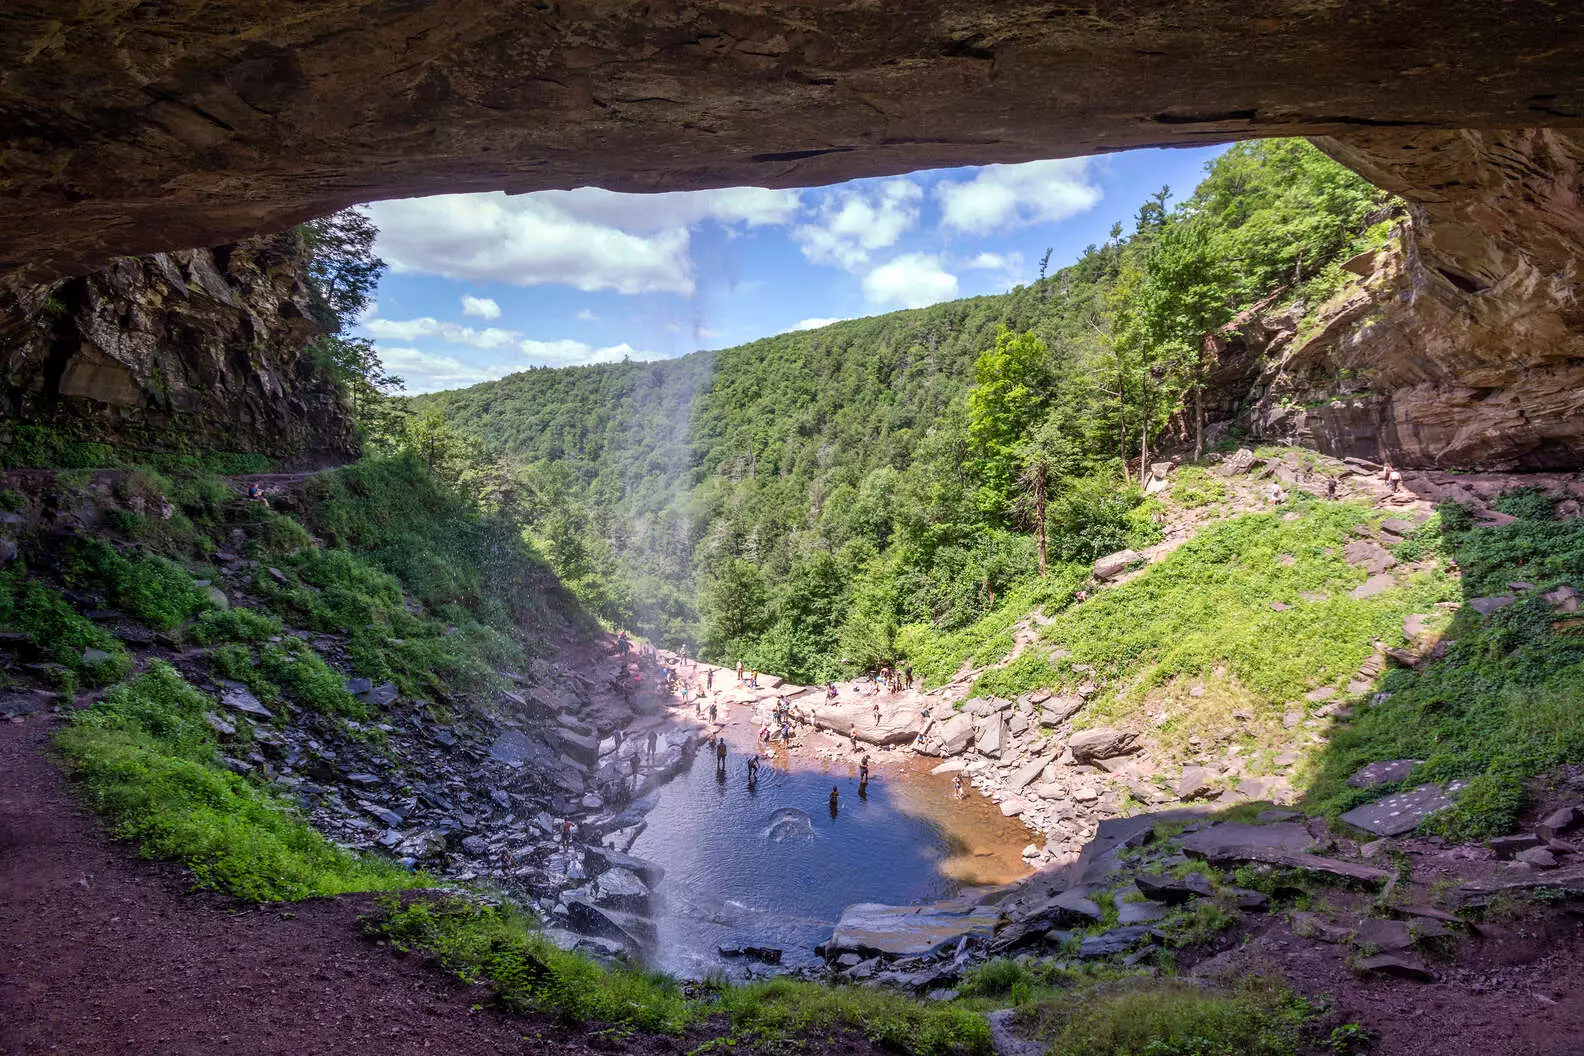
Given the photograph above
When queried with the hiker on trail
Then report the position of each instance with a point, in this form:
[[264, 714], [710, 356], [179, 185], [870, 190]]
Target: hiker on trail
[[739, 672], [835, 795], [958, 791], [621, 642], [1393, 477], [566, 833], [1331, 488], [907, 676], [654, 738]]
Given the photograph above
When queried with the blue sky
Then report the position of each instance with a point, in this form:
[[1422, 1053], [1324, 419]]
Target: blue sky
[[483, 285]]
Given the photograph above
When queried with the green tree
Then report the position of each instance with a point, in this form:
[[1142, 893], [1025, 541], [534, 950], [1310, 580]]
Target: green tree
[[733, 608], [1044, 459], [1012, 388]]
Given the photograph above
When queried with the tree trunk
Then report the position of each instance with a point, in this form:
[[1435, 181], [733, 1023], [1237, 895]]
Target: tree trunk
[[1198, 422], [1039, 519]]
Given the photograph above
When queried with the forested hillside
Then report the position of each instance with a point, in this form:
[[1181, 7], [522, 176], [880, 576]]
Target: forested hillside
[[801, 500]]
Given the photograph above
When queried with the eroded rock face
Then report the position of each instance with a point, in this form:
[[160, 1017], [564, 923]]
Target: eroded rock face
[[1464, 347], [196, 348], [133, 127]]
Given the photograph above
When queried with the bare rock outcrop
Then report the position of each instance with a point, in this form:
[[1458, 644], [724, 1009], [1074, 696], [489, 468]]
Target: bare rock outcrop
[[195, 349], [133, 127]]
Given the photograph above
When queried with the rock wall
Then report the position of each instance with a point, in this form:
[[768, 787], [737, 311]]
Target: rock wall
[[1463, 345], [130, 127], [200, 349]]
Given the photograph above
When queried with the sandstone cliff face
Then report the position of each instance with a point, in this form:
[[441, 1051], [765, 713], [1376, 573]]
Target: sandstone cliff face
[[1462, 345], [197, 349]]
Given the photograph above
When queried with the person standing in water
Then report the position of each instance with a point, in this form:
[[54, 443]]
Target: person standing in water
[[834, 796], [720, 754], [753, 770], [958, 791], [654, 738], [863, 774]]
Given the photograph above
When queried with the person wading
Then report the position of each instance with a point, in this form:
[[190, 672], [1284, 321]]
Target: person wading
[[720, 755], [834, 796], [863, 774], [654, 738]]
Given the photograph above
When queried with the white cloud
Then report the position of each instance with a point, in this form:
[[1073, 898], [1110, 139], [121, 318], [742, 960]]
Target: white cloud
[[912, 280], [526, 241], [426, 372], [589, 238], [752, 206], [409, 330], [996, 262], [483, 307], [852, 223], [815, 324], [587, 316], [1017, 195]]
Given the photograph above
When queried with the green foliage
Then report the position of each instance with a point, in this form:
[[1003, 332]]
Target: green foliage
[[144, 758], [151, 589], [499, 946], [57, 630], [1208, 605], [1507, 699], [314, 683], [896, 469], [234, 625], [1171, 1018]]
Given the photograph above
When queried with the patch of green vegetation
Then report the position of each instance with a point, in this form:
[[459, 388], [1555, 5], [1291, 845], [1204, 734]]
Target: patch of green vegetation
[[58, 631], [1196, 486], [1208, 606], [1505, 702], [144, 758], [936, 656], [151, 589], [234, 625], [1172, 1018], [37, 446], [313, 683], [41, 446], [499, 946], [1203, 920]]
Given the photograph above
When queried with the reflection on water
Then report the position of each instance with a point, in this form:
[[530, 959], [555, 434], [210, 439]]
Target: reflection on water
[[770, 864]]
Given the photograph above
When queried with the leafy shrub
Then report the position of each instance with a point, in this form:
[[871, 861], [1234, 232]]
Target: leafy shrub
[[314, 683], [234, 625], [144, 758], [152, 589], [57, 630]]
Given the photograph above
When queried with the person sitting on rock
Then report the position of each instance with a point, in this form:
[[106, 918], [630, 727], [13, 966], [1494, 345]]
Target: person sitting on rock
[[256, 494]]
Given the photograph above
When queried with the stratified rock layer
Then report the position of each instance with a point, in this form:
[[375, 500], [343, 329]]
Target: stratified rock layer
[[130, 127], [192, 350]]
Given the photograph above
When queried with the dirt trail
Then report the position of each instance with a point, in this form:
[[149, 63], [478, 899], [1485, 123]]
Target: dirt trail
[[100, 953]]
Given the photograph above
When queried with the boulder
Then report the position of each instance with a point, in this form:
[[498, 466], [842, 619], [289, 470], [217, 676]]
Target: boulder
[[1402, 812], [632, 931], [1195, 783], [1113, 565], [899, 722], [237, 697], [1486, 606], [1240, 461], [956, 734], [1172, 890], [1400, 965], [1026, 774], [217, 597], [1559, 821], [1507, 846], [1368, 555], [1389, 772], [1101, 743], [870, 929], [1373, 586], [1058, 710], [992, 737], [1113, 942], [1068, 909], [621, 889]]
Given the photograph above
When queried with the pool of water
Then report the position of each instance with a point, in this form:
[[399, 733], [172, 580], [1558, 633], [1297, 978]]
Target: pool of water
[[772, 865]]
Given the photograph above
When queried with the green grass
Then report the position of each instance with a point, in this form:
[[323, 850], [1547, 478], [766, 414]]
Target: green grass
[[499, 946], [234, 625], [1171, 1018], [144, 758], [1507, 700], [1196, 486], [34, 446], [936, 657], [1208, 606], [58, 631]]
